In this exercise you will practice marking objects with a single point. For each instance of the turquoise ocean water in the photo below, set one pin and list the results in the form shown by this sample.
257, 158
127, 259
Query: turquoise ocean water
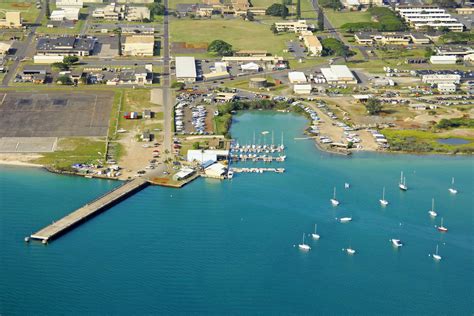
227, 247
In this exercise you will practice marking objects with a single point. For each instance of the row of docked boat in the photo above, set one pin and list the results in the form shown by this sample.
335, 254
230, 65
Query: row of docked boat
257, 148
256, 158
255, 170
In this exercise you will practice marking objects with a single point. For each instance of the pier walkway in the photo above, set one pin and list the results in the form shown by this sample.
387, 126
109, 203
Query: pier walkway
90, 209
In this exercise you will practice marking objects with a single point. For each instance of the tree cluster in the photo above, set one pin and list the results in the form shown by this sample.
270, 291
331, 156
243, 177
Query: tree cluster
220, 48
277, 9
334, 47
373, 106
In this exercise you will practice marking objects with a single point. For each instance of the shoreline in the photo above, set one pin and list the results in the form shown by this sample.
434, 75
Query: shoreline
17, 163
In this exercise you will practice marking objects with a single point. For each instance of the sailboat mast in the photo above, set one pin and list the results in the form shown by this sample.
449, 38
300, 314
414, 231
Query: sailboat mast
315, 228
432, 204
334, 195
272, 139
383, 194
281, 139
437, 249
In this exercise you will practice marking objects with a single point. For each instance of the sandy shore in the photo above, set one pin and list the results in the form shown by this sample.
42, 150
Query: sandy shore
21, 160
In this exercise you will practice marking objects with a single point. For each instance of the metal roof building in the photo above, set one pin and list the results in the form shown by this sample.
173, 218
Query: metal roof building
338, 74
186, 69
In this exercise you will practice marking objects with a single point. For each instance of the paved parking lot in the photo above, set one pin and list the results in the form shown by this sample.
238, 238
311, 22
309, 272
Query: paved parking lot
54, 114
27, 144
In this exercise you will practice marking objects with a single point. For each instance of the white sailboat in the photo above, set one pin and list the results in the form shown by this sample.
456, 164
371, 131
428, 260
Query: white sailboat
230, 174
441, 228
452, 190
334, 201
304, 246
347, 185
402, 185
383, 201
315, 235
345, 219
436, 256
396, 242
350, 250
432, 211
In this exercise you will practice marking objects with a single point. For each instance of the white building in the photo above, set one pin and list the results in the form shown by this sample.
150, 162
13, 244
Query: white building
138, 45
70, 14
5, 47
302, 88
443, 60
429, 16
313, 45
296, 77
63, 4
186, 69
250, 67
291, 26
216, 170
440, 79
447, 87
205, 156
338, 74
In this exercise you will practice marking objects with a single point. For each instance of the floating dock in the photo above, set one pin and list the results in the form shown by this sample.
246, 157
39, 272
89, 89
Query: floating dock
89, 210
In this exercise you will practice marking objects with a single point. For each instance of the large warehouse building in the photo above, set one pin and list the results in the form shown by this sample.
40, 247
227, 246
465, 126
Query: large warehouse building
338, 74
186, 69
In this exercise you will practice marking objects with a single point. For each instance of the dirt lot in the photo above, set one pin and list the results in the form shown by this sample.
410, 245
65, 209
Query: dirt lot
54, 114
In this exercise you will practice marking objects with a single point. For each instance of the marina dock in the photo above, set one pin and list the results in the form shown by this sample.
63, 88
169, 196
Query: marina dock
89, 210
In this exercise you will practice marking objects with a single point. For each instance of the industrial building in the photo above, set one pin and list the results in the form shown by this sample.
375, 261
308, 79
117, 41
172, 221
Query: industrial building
69, 14
338, 74
186, 69
302, 88
443, 60
205, 156
297, 77
440, 78
447, 87
138, 45
65, 46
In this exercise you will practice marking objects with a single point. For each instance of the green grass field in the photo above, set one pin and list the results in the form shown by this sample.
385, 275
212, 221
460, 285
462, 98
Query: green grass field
240, 34
340, 18
28, 9
74, 150
424, 141
60, 30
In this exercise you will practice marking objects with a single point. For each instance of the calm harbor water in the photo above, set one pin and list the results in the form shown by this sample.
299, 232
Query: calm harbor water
227, 247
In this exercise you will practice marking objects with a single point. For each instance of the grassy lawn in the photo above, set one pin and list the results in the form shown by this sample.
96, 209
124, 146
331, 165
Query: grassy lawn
74, 150
240, 34
244, 85
28, 9
137, 100
340, 18
60, 30
425, 141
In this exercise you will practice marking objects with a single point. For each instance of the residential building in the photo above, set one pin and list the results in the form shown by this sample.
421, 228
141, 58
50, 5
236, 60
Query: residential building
466, 10
390, 38
257, 10
297, 77
138, 45
292, 26
137, 14
5, 48
69, 14
443, 60
440, 78
186, 69
353, 4
63, 4
36, 74
65, 46
111, 12
202, 10
338, 74
313, 45
423, 17
447, 87
12, 19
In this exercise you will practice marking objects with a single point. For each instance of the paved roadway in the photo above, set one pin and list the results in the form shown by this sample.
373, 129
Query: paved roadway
25, 50
327, 24
165, 83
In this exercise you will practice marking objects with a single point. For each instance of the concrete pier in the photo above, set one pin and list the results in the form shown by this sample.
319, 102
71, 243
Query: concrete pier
89, 210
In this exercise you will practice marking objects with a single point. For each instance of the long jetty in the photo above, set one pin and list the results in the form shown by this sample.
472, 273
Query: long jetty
89, 210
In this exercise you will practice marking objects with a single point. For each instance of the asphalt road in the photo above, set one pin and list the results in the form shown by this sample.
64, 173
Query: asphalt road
327, 25
166, 82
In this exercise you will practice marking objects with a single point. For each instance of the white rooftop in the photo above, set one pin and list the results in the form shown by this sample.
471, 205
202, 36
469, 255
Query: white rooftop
296, 76
185, 67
